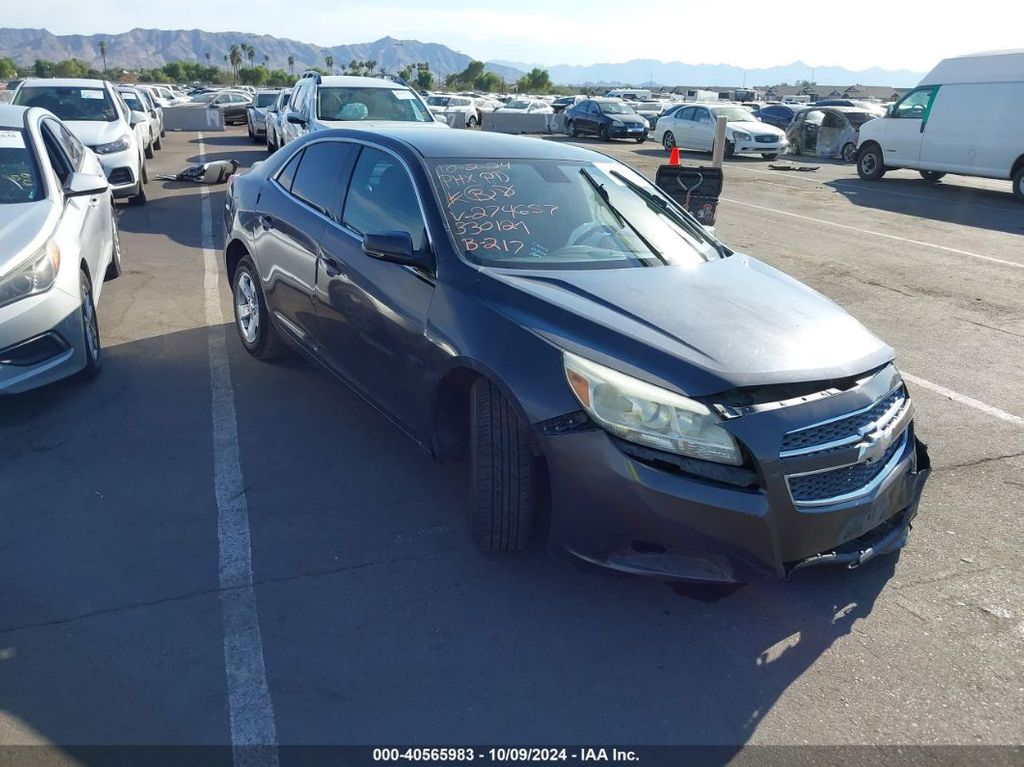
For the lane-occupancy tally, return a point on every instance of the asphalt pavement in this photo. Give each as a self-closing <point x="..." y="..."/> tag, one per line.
<point x="381" y="623"/>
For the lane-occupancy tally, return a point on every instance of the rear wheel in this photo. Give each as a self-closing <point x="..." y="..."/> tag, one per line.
<point x="501" y="509"/>
<point x="1018" y="184"/>
<point x="158" y="143"/>
<point x="149" y="150"/>
<point x="869" y="165"/>
<point x="139" y="198"/>
<point x="114" y="267"/>
<point x="668" y="141"/>
<point x="252" y="320"/>
<point x="931" y="175"/>
<point x="849" y="152"/>
<point x="90" y="329"/>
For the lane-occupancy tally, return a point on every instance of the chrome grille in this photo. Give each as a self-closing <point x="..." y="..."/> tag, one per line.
<point x="762" y="138"/>
<point x="834" y="485"/>
<point x="838" y="433"/>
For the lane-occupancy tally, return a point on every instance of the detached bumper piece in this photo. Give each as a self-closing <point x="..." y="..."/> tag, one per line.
<point x="888" y="537"/>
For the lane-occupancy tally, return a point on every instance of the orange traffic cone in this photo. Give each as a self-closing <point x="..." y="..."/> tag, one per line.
<point x="673" y="158"/>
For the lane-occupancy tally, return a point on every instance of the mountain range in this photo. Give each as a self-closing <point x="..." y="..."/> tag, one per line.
<point x="154" y="47"/>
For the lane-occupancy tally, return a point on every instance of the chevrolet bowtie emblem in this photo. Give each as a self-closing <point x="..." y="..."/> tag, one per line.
<point x="874" y="445"/>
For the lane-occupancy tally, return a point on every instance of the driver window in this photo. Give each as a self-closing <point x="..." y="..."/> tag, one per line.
<point x="58" y="161"/>
<point x="689" y="113"/>
<point x="703" y="116"/>
<point x="381" y="198"/>
<point x="914" y="104"/>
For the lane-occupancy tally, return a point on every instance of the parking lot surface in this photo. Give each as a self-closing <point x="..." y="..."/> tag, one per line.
<point x="380" y="622"/>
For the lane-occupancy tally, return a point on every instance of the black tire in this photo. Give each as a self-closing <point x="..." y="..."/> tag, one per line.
<point x="870" y="166"/>
<point x="263" y="342"/>
<point x="114" y="267"/>
<point x="770" y="155"/>
<point x="271" y="147"/>
<point x="502" y="504"/>
<point x="668" y="141"/>
<point x="471" y="123"/>
<point x="641" y="139"/>
<point x="794" y="148"/>
<point x="149" y="151"/>
<point x="158" y="143"/>
<point x="570" y="128"/>
<point x="603" y="133"/>
<point x="163" y="133"/>
<point x="139" y="198"/>
<point x="730" y="148"/>
<point x="252" y="135"/>
<point x="849" y="152"/>
<point x="90" y="329"/>
<point x="931" y="175"/>
<point x="1018" y="184"/>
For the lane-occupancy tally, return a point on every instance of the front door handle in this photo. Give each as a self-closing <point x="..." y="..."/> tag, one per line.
<point x="332" y="266"/>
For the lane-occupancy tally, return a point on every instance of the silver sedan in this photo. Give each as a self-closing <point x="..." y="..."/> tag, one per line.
<point x="59" y="245"/>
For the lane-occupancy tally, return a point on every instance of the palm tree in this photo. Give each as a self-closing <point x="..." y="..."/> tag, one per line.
<point x="250" y="51"/>
<point x="291" y="65"/>
<point x="354" y="66"/>
<point x="235" y="57"/>
<point x="371" y="66"/>
<point x="329" y="61"/>
<point x="266" y="60"/>
<point x="207" y="54"/>
<point x="103" y="53"/>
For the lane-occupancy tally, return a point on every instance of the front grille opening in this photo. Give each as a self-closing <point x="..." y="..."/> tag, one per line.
<point x="836" y="483"/>
<point x="849" y="427"/>
<point x="760" y="395"/>
<point x="121" y="176"/>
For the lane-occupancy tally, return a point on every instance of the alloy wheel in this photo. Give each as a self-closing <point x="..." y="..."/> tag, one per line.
<point x="248" y="308"/>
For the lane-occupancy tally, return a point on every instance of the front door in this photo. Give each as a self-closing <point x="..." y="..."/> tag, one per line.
<point x="371" y="314"/>
<point x="901" y="143"/>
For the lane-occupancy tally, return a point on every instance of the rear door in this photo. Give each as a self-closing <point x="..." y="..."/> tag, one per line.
<point x="371" y="313"/>
<point x="904" y="130"/>
<point x="702" y="130"/>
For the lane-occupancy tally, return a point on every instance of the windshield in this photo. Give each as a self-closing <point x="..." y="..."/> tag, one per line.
<point x="390" y="104"/>
<point x="857" y="119"/>
<point x="553" y="214"/>
<point x="614" y="108"/>
<point x="19" y="180"/>
<point x="438" y="101"/>
<point x="734" y="114"/>
<point x="265" y="99"/>
<point x="70" y="103"/>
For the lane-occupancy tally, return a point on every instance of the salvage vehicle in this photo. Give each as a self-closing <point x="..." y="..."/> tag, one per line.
<point x="256" y="114"/>
<point x="779" y="115"/>
<point x="693" y="127"/>
<point x="98" y="117"/>
<point x="960" y="119"/>
<point x="626" y="386"/>
<point x="275" y="117"/>
<point x="60" y="243"/>
<point x="233" y="105"/>
<point x="607" y="119"/>
<point x="145" y="116"/>
<point x="827" y="132"/>
<point x="464" y="106"/>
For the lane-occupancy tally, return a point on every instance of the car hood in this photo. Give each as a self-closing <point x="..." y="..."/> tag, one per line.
<point x="754" y="127"/>
<point x="362" y="124"/>
<point x="628" y="119"/>
<point x="93" y="133"/>
<point x="24" y="227"/>
<point x="722" y="324"/>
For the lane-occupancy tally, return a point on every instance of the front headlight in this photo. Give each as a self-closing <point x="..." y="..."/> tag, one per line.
<point x="647" y="414"/>
<point x="118" y="145"/>
<point x="36" y="275"/>
<point x="738" y="135"/>
<point x="647" y="123"/>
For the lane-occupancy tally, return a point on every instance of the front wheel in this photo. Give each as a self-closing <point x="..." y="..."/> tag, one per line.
<point x="770" y="155"/>
<point x="90" y="329"/>
<point x="869" y="165"/>
<point x="668" y="141"/>
<point x="571" y="129"/>
<point x="252" y="320"/>
<point x="114" y="267"/>
<point x="931" y="175"/>
<point x="149" y="151"/>
<point x="603" y="133"/>
<point x="1018" y="184"/>
<point x="849" y="152"/>
<point x="158" y="142"/>
<point x="471" y="123"/>
<point x="501" y="508"/>
<point x="641" y="139"/>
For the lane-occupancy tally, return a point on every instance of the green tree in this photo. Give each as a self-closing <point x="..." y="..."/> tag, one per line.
<point x="535" y="81"/>
<point x="252" y="75"/>
<point x="175" y="71"/>
<point x="291" y="65"/>
<point x="488" y="82"/>
<point x="278" y="78"/>
<point x="68" y="68"/>
<point x="424" y="79"/>
<point x="103" y="53"/>
<point x="42" y="68"/>
<point x="329" y="61"/>
<point x="8" y="70"/>
<point x="371" y="67"/>
<point x="234" y="57"/>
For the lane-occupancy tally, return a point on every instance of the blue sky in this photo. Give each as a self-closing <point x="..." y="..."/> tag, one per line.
<point x="856" y="34"/>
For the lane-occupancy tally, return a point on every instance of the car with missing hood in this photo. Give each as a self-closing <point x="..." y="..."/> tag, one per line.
<point x="59" y="245"/>
<point x="625" y="386"/>
<point x="828" y="131"/>
<point x="693" y="127"/>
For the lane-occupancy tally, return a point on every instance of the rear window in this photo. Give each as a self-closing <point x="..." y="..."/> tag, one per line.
<point x="133" y="102"/>
<point x="70" y="103"/>
<point x="19" y="178"/>
<point x="266" y="99"/>
<point x="354" y="104"/>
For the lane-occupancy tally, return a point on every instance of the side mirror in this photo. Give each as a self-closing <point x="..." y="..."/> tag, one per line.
<point x="396" y="247"/>
<point x="85" y="185"/>
<point x="296" y="119"/>
<point x="152" y="113"/>
<point x="136" y="118"/>
<point x="890" y="110"/>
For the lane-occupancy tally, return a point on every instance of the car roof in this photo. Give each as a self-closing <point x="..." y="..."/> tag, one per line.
<point x="12" y="116"/>
<point x="437" y="144"/>
<point x="353" y="81"/>
<point x="64" y="82"/>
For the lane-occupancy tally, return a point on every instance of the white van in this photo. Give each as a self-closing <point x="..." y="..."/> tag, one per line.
<point x="965" y="117"/>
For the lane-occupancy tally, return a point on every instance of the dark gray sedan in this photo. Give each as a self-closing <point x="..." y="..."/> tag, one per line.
<point x="625" y="387"/>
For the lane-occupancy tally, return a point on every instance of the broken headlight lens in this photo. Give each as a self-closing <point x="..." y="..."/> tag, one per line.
<point x="648" y="415"/>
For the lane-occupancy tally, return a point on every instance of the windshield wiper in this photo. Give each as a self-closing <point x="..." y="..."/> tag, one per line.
<point x="603" y="194"/>
<point x="658" y="205"/>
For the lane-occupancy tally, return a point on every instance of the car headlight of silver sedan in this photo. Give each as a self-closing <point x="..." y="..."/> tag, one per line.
<point x="646" y="414"/>
<point x="35" y="275"/>
<point x="738" y="135"/>
<point x="117" y="145"/>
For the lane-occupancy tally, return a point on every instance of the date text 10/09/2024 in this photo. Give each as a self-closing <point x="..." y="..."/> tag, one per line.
<point x="521" y="754"/>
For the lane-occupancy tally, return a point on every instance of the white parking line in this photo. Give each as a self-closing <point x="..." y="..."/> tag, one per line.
<point x="887" y="236"/>
<point x="963" y="399"/>
<point x="250" y="711"/>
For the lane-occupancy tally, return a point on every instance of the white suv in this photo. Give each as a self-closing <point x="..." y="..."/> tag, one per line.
<point x="99" y="118"/>
<point x="323" y="102"/>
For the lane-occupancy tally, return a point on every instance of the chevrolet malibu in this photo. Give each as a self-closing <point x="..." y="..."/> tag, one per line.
<point x="59" y="243"/>
<point x="625" y="386"/>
